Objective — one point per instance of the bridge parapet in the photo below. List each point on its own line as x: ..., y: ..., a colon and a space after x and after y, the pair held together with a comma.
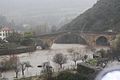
x: 48, y: 39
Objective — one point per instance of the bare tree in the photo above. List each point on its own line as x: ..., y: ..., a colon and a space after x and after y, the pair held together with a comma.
x: 15, y: 63
x: 84, y: 58
x: 1, y: 67
x: 25, y: 65
x: 46, y: 70
x: 75, y: 56
x: 17, y: 68
x: 60, y: 59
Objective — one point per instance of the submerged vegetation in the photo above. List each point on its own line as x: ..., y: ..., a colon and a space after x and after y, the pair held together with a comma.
x: 63, y: 75
x: 104, y: 16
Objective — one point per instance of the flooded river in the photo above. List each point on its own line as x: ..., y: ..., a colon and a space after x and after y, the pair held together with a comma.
x: 40, y: 56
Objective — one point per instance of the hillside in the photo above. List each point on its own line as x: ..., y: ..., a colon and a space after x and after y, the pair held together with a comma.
x: 103, y: 16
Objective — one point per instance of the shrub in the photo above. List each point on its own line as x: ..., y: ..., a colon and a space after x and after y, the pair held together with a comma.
x: 67, y: 75
x: 92, y: 62
x: 8, y: 64
x: 60, y: 59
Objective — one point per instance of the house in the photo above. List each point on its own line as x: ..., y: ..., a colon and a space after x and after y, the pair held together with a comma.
x: 5, y: 31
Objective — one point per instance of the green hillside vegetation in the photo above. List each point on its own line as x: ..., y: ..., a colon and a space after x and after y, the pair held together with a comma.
x: 103, y: 16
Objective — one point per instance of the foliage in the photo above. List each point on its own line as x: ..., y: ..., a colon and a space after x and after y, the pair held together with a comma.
x: 47, y: 71
x: 4, y: 79
x: 103, y: 16
x: 27, y: 42
x: 1, y: 41
x: 84, y: 58
x: 17, y: 68
x: 71, y: 39
x: 13, y: 41
x: 63, y: 75
x: 28, y: 34
x: 8, y: 46
x: 14, y: 38
x: 92, y: 62
x: 115, y: 48
x: 67, y: 75
x: 9, y: 64
x: 116, y: 43
x: 75, y: 56
x: 14, y: 64
x: 60, y: 59
x: 18, y: 39
x: 25, y: 65
x: 103, y: 53
x: 29, y: 78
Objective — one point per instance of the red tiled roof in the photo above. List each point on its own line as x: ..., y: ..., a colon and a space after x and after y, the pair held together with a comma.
x: 6, y: 29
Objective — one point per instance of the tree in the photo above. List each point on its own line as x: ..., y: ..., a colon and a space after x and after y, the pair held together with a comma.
x: 85, y: 58
x: 12, y: 63
x: 60, y: 59
x: 92, y: 62
x: 68, y: 75
x: 116, y: 43
x: 75, y: 56
x: 24, y: 65
x: 14, y: 38
x: 116, y: 47
x: 28, y: 34
x: 9, y: 47
x: 103, y: 53
x: 17, y: 69
x: 27, y: 42
x: 15, y: 64
x: 1, y: 41
x: 47, y: 70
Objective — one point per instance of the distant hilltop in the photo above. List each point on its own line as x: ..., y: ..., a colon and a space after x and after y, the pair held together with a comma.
x: 103, y: 16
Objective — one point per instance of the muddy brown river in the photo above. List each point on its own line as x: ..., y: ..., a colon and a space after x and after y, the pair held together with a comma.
x: 40, y: 56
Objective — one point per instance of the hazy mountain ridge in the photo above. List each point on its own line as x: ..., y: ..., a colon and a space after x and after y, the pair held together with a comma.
x: 103, y: 16
x: 36, y: 12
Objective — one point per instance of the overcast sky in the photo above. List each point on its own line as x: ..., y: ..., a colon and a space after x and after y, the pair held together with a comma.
x: 19, y: 8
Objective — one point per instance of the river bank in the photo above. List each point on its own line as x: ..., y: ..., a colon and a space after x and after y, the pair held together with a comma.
x: 40, y: 56
x: 18, y: 50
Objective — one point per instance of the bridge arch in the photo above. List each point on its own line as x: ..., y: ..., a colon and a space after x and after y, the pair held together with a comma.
x: 102, y: 41
x: 91, y: 39
x: 43, y: 44
x: 70, y: 38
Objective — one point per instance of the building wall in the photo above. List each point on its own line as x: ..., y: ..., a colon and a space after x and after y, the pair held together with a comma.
x: 4, y: 34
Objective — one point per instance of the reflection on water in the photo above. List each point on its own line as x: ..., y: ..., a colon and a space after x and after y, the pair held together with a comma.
x: 38, y: 57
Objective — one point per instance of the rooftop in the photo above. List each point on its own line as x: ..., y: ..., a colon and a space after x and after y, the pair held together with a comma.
x: 6, y: 29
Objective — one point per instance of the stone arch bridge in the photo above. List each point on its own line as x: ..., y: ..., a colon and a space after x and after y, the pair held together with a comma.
x: 91, y: 38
